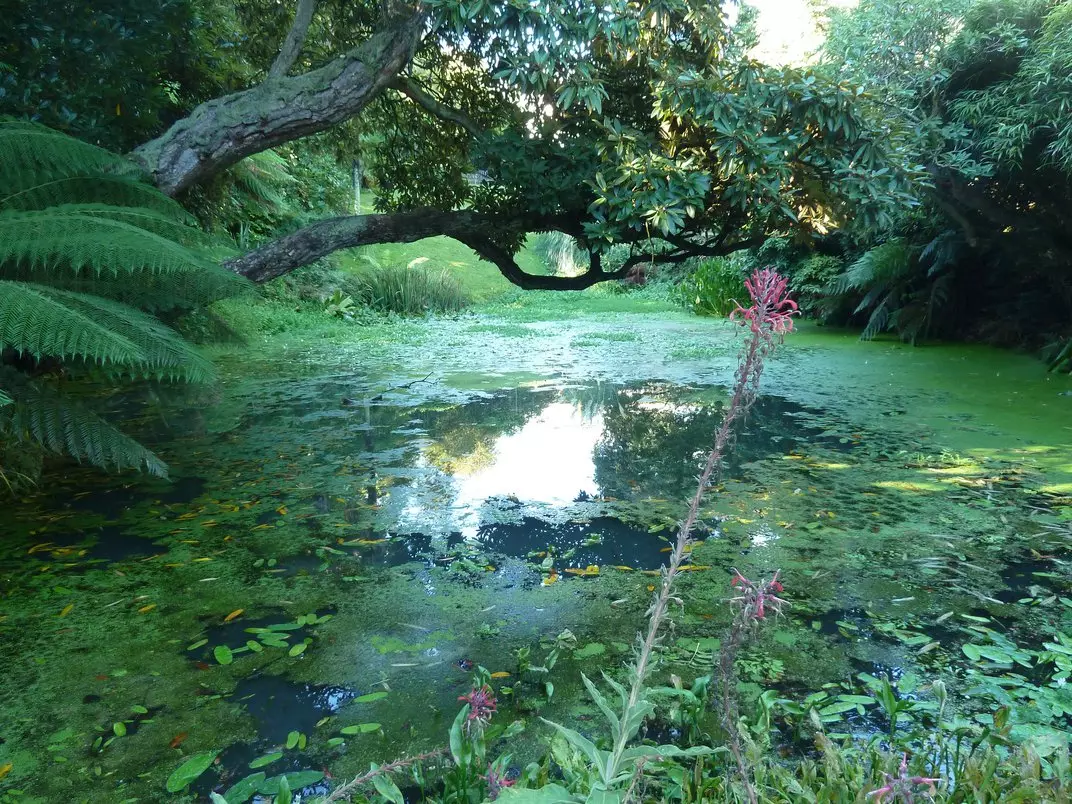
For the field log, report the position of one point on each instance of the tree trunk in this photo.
(223, 131)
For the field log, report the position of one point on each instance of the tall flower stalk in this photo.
(767, 320)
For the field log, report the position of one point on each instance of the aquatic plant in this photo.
(412, 289)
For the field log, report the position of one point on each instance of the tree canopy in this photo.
(644, 124)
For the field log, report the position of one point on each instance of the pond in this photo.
(349, 530)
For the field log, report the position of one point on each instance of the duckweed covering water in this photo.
(341, 541)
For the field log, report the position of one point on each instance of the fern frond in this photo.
(174, 228)
(33, 321)
(48, 321)
(4, 399)
(264, 176)
(164, 354)
(877, 322)
(883, 263)
(30, 152)
(51, 239)
(152, 293)
(62, 426)
(93, 188)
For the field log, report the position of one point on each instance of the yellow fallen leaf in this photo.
(202, 559)
(232, 615)
(5, 769)
(693, 567)
(651, 588)
(500, 674)
(622, 568)
(281, 510)
(146, 609)
(67, 609)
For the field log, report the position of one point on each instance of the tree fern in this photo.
(82, 239)
(63, 427)
(33, 153)
(90, 188)
(58, 239)
(50, 322)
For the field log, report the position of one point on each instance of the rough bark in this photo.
(292, 45)
(223, 131)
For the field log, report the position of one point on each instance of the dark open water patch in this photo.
(602, 541)
(279, 705)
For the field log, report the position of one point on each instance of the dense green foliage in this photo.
(713, 287)
(979, 92)
(413, 289)
(87, 254)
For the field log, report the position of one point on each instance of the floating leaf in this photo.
(334, 741)
(120, 728)
(199, 644)
(223, 654)
(972, 652)
(298, 650)
(233, 615)
(138, 709)
(361, 728)
(254, 646)
(370, 697)
(500, 674)
(67, 610)
(296, 781)
(292, 740)
(267, 759)
(189, 770)
(590, 650)
(146, 609)
(243, 789)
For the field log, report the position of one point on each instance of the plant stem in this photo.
(744, 394)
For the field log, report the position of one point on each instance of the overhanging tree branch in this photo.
(223, 131)
(422, 98)
(292, 45)
(482, 232)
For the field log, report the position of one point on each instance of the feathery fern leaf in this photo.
(5, 399)
(54, 239)
(93, 188)
(34, 322)
(164, 354)
(45, 321)
(177, 228)
(33, 153)
(61, 426)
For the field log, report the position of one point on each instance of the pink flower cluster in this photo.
(772, 310)
(482, 705)
(757, 597)
(904, 788)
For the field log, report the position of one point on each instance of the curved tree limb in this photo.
(482, 232)
(420, 96)
(225, 130)
(292, 45)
